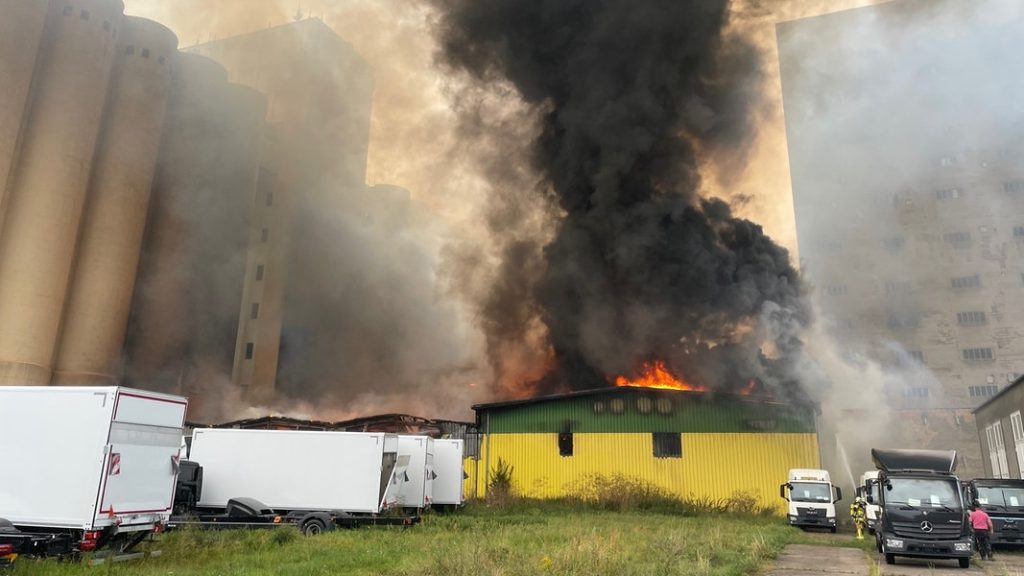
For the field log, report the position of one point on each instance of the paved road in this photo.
(805, 560)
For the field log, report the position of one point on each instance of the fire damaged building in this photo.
(909, 204)
(691, 444)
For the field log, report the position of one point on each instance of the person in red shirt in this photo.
(982, 525)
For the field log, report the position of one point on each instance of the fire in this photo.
(655, 375)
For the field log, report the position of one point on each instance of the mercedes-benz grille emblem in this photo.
(926, 526)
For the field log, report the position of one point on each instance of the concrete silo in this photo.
(48, 191)
(96, 316)
(159, 324)
(21, 32)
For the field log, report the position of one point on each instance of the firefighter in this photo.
(859, 514)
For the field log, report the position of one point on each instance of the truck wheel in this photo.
(313, 526)
(878, 544)
(965, 562)
(890, 558)
(832, 529)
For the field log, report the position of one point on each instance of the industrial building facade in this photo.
(693, 445)
(1001, 432)
(908, 187)
(152, 201)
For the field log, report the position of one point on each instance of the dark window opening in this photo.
(976, 354)
(255, 312)
(971, 318)
(565, 444)
(67, 10)
(667, 444)
(1018, 231)
(1014, 186)
(966, 282)
(259, 272)
(265, 235)
(145, 52)
(248, 350)
(916, 355)
(983, 391)
(85, 15)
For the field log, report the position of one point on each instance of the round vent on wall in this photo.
(644, 405)
(598, 407)
(663, 405)
(617, 405)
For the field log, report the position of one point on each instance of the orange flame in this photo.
(655, 375)
(750, 388)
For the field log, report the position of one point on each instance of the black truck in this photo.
(922, 509)
(1004, 502)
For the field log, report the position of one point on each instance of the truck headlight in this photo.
(792, 518)
(831, 520)
(962, 546)
(895, 543)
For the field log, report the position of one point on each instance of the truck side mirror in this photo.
(839, 494)
(871, 499)
(782, 492)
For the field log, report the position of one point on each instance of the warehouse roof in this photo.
(759, 398)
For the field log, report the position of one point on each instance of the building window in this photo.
(254, 313)
(259, 272)
(947, 161)
(904, 321)
(1014, 186)
(85, 15)
(145, 52)
(983, 391)
(1018, 440)
(265, 235)
(965, 282)
(565, 444)
(957, 238)
(129, 50)
(914, 356)
(270, 198)
(898, 287)
(894, 244)
(836, 290)
(976, 354)
(948, 193)
(1018, 232)
(997, 451)
(248, 350)
(67, 11)
(917, 393)
(971, 318)
(667, 444)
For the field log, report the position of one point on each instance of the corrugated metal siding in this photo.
(629, 411)
(713, 465)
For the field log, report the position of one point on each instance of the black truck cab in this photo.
(1003, 500)
(922, 507)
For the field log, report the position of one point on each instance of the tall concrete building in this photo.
(319, 94)
(159, 209)
(908, 181)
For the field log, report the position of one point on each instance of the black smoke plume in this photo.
(634, 95)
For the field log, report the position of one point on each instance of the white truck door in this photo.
(141, 463)
(428, 476)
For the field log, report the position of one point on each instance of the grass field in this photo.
(524, 538)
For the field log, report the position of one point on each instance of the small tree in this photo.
(500, 488)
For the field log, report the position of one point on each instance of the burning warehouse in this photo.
(690, 443)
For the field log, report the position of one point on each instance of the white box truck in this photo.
(871, 510)
(418, 491)
(291, 470)
(98, 464)
(810, 496)
(448, 462)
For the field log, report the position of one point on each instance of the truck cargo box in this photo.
(88, 458)
(448, 462)
(418, 490)
(287, 470)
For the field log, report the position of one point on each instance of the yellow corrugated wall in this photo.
(713, 465)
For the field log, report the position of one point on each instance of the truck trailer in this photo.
(417, 492)
(292, 470)
(448, 462)
(1003, 500)
(96, 465)
(809, 493)
(922, 506)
